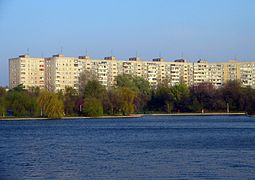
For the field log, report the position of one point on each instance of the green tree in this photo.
(21, 103)
(202, 96)
(195, 105)
(2, 107)
(249, 100)
(180, 95)
(233, 95)
(19, 88)
(94, 89)
(54, 109)
(2, 102)
(51, 106)
(126, 80)
(139, 85)
(126, 97)
(92, 107)
(112, 102)
(161, 99)
(84, 78)
(70, 98)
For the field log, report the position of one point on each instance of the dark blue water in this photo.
(152, 147)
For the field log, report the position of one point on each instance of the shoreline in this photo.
(201, 114)
(69, 118)
(130, 116)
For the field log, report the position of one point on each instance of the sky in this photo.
(216, 30)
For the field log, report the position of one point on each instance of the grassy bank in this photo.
(130, 116)
(202, 114)
(71, 117)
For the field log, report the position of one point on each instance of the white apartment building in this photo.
(27, 71)
(62, 71)
(58, 71)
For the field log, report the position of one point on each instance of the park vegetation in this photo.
(130, 95)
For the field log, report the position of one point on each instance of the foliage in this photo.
(94, 89)
(130, 95)
(84, 78)
(92, 107)
(2, 106)
(112, 102)
(135, 83)
(51, 106)
(140, 86)
(2, 101)
(126, 97)
(70, 97)
(161, 99)
(170, 99)
(21, 103)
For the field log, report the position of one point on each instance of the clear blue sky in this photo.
(216, 30)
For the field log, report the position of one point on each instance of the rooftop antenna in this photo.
(136, 53)
(86, 52)
(182, 55)
(111, 52)
(235, 57)
(159, 55)
(61, 50)
(27, 51)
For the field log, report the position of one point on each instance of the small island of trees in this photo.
(131, 94)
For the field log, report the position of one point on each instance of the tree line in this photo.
(131, 94)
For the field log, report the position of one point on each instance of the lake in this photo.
(151, 147)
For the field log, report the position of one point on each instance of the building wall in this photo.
(57, 72)
(27, 71)
(62, 72)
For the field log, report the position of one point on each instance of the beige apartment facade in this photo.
(58, 72)
(62, 72)
(27, 71)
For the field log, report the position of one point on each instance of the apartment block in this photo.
(61, 71)
(58, 71)
(27, 71)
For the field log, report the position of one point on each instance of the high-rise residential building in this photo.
(27, 71)
(58, 71)
(61, 71)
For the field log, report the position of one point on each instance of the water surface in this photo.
(152, 147)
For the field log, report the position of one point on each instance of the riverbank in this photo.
(201, 114)
(72, 118)
(130, 116)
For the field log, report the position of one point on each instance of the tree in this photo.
(70, 98)
(195, 105)
(51, 106)
(84, 78)
(232, 93)
(19, 88)
(180, 95)
(112, 102)
(2, 101)
(2, 107)
(161, 99)
(126, 80)
(54, 108)
(139, 85)
(94, 89)
(2, 92)
(92, 107)
(126, 97)
(202, 96)
(249, 100)
(34, 91)
(21, 103)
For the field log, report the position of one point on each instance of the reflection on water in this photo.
(152, 147)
